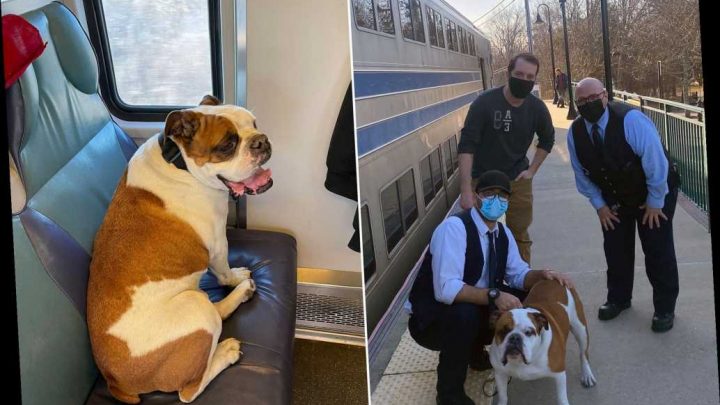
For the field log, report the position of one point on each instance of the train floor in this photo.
(632, 364)
(329, 373)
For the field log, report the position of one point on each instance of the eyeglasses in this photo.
(501, 196)
(592, 97)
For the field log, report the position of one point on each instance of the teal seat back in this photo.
(69, 156)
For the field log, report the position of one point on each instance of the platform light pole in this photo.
(606, 49)
(572, 113)
(552, 48)
(527, 24)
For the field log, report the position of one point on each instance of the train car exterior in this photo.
(417, 67)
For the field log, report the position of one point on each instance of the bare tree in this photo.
(642, 32)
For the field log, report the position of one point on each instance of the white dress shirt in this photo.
(448, 247)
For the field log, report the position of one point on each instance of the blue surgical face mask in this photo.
(494, 207)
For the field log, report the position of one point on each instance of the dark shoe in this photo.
(610, 310)
(663, 322)
(455, 400)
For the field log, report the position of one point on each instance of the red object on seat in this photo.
(22, 44)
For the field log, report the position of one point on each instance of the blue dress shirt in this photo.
(643, 138)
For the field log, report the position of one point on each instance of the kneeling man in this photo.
(472, 268)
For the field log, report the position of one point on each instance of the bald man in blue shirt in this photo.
(621, 166)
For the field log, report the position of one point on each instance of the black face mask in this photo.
(592, 111)
(520, 88)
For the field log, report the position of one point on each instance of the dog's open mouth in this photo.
(258, 183)
(513, 353)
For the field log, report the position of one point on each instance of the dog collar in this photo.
(171, 152)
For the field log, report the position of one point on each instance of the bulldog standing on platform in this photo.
(151, 327)
(530, 343)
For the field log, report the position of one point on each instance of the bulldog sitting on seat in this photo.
(151, 327)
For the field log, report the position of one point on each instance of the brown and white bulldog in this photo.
(151, 327)
(529, 343)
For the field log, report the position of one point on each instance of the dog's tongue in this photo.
(257, 180)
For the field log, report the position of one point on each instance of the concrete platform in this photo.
(632, 364)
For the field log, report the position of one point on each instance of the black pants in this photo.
(659, 249)
(459, 330)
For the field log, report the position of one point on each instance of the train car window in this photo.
(392, 219)
(368, 247)
(448, 159)
(385, 16)
(452, 36)
(453, 151)
(364, 14)
(472, 45)
(482, 72)
(432, 31)
(436, 169)
(411, 20)
(374, 15)
(406, 187)
(155, 56)
(461, 37)
(427, 180)
(439, 29)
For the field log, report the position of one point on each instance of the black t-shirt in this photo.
(499, 135)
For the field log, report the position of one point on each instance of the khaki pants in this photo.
(519, 214)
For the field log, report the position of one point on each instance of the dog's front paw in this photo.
(249, 289)
(230, 350)
(237, 275)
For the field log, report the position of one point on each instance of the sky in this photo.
(473, 9)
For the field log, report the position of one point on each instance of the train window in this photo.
(439, 29)
(391, 216)
(399, 207)
(427, 180)
(461, 37)
(375, 15)
(145, 74)
(383, 8)
(472, 45)
(432, 32)
(364, 14)
(406, 186)
(436, 169)
(453, 151)
(483, 73)
(411, 20)
(368, 248)
(435, 28)
(449, 169)
(431, 173)
(451, 35)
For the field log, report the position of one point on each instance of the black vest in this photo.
(425, 307)
(619, 174)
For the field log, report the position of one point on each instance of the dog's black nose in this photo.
(515, 339)
(260, 144)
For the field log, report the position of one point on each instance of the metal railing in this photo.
(682, 131)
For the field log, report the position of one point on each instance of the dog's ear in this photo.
(210, 100)
(182, 125)
(540, 321)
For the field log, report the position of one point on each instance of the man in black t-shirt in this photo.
(498, 131)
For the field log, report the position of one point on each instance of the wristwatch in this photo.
(493, 293)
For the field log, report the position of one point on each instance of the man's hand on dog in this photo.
(506, 302)
(561, 278)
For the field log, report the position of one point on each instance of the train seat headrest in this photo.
(22, 44)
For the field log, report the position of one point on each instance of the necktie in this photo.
(597, 141)
(492, 260)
